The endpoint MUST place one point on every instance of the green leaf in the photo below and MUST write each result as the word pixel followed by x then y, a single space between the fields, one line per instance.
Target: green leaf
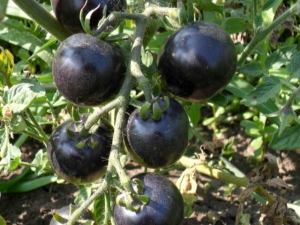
pixel 236 24
pixel 13 33
pixel 240 88
pixel 252 129
pixel 280 57
pixel 84 193
pixel 270 87
pixel 251 69
pixel 6 65
pixel 268 11
pixel 20 96
pixel 3 6
pixel 288 140
pixel 2 221
pixel 147 58
pixel 207 5
pixel 99 209
pixel 294 66
pixel 194 114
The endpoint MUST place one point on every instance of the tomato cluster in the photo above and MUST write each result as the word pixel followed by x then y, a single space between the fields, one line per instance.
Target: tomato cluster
pixel 195 63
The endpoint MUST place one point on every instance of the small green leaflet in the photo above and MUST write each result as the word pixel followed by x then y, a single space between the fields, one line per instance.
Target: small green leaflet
pixel 251 69
pixel 270 87
pixel 280 57
pixel 288 140
pixel 20 96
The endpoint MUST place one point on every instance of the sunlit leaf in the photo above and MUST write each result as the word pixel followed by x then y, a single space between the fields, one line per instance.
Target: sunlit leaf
pixel 288 140
pixel 270 87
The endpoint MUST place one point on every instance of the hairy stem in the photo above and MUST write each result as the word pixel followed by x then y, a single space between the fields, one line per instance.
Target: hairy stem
pixel 42 17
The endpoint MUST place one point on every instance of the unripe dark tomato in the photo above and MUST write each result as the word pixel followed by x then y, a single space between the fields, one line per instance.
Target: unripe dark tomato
pixel 67 12
pixel 75 164
pixel 165 206
pixel 158 143
pixel 197 61
pixel 88 71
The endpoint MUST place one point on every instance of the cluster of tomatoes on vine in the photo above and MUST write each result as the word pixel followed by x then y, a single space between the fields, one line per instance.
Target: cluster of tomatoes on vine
pixel 195 63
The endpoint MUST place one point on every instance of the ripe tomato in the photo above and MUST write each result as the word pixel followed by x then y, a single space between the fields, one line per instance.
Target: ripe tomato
pixel 158 143
pixel 197 61
pixel 88 71
pixel 79 165
pixel 67 12
pixel 165 206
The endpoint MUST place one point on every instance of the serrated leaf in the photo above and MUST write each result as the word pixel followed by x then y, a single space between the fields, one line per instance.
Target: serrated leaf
pixel 270 87
pixel 280 57
pixel 20 96
pixel 288 140
pixel 11 32
pixel 84 193
pixel 294 66
pixel 251 69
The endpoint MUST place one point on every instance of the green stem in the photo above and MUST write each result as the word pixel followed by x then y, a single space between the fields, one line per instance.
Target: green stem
pixel 292 97
pixel 263 32
pixel 41 16
pixel 223 176
pixel 41 133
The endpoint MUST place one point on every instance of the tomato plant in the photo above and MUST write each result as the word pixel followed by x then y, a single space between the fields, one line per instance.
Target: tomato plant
pixel 168 84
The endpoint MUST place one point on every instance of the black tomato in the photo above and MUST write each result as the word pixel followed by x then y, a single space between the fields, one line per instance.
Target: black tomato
pixel 197 61
pixel 88 71
pixel 79 165
pixel 165 206
pixel 67 12
pixel 157 143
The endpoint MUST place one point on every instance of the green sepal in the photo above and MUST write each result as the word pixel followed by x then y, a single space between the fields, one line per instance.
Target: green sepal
pixel 145 110
pixel 166 106
pixel 138 186
pixel 156 111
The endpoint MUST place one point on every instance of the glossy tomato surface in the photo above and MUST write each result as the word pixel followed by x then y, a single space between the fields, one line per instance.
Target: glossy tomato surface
pixel 165 206
pixel 67 12
pixel 88 71
pixel 158 143
pixel 79 165
pixel 197 61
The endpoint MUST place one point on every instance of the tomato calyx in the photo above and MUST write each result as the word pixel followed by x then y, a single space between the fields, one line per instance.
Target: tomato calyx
pixel 155 108
pixel 133 201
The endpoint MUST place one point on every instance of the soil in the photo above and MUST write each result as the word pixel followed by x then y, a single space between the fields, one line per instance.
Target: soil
pixel 213 207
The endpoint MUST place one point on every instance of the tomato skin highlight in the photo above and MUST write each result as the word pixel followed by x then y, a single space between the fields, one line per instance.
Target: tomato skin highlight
pixel 197 61
pixel 161 143
pixel 79 166
pixel 67 12
pixel 88 71
pixel 165 206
